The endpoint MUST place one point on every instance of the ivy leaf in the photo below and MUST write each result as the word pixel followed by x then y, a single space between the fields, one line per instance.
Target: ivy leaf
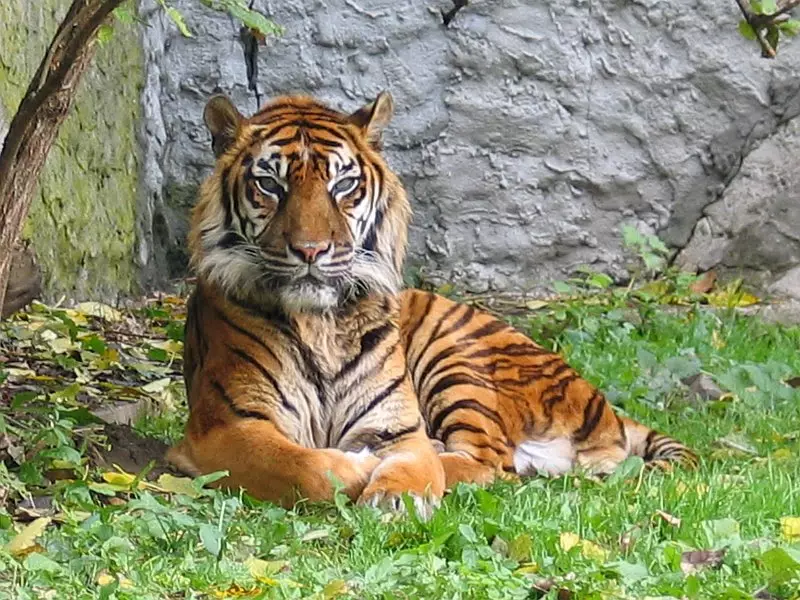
pixel 790 27
pixel 211 538
pixel 177 18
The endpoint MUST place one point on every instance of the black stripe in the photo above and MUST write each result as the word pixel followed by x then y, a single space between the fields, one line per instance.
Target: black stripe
pixel 369 342
pixel 382 395
pixel 269 377
pixel 523 349
pixel 386 437
pixel 423 315
pixel 649 451
pixel 458 379
pixel 434 336
pixel 372 235
pixel 467 404
pixel 248 334
pixel 239 412
pixel 455 427
pixel 592 413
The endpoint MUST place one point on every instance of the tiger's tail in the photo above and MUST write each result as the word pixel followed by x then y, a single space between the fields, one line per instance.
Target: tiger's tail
pixel 655 448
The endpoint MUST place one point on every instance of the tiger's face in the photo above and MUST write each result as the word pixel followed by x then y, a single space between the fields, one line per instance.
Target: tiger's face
pixel 301 211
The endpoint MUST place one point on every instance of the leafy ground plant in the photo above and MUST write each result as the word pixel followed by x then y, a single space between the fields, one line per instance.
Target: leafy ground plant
pixel 78 521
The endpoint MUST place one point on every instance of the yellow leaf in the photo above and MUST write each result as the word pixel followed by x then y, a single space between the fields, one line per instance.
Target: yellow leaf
pixel 26 538
pixel 717 341
pixel 527 569
pixel 334 589
pixel 535 304
pixel 104 579
pixel 174 346
pixel 592 551
pixel 782 454
pixel 61 345
pixel 120 479
pixel 568 540
pixel 237 591
pixel 790 528
pixel 100 310
pixel 157 386
pixel 262 570
pixel 177 485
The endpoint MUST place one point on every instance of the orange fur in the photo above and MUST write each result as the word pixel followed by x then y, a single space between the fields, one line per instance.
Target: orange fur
pixel 498 403
pixel 293 365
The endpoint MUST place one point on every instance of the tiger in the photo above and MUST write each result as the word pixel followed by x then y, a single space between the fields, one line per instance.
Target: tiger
pixel 497 404
pixel 294 370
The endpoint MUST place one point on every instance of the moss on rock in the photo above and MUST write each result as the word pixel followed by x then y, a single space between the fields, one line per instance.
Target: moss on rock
pixel 82 221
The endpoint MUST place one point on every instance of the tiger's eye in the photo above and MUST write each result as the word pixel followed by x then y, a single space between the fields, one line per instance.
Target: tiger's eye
pixel 344 186
pixel 268 185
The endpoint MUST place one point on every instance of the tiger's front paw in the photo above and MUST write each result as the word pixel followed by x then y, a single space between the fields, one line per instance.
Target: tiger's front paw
pixel 401 474
pixel 424 505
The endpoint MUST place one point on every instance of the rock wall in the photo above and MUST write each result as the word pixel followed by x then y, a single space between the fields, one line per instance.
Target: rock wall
pixel 82 221
pixel 527 133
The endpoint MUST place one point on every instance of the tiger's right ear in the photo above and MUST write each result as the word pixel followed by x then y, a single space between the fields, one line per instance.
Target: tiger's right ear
pixel 222 120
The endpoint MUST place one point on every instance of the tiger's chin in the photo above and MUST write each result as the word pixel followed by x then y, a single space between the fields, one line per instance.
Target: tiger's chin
pixel 309 296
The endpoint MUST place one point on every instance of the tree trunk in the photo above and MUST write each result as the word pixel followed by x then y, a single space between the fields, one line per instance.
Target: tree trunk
pixel 39 116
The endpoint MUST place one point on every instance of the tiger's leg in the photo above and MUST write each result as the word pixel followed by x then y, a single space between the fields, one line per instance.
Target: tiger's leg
pixel 269 466
pixel 474 441
pixel 600 440
pixel 658 450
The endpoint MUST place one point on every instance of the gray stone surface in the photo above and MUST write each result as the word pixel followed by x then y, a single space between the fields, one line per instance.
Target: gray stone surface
pixel 527 134
pixel 754 229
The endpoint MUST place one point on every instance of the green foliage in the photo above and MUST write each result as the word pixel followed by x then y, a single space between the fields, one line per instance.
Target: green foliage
pixel 239 10
pixel 771 28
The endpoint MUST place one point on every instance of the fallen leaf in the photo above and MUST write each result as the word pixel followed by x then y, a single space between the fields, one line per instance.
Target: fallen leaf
pixel 668 518
pixel 99 310
pixel 593 552
pixel 527 569
pixel 26 538
pixel 628 539
pixel 704 283
pixel 790 528
pixel 177 485
pixel 519 549
pixel 793 382
pixel 536 304
pixel 694 561
pixel 738 443
pixel 568 540
pixel 237 591
pixel 261 569
pixel 542 587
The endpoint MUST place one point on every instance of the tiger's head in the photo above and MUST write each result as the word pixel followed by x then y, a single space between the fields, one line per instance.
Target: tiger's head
pixel 301 211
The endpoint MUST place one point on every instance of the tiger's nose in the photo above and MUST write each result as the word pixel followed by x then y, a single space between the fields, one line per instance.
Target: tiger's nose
pixel 309 251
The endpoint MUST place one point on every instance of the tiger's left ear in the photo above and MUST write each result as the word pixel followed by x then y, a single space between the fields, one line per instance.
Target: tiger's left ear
pixel 374 117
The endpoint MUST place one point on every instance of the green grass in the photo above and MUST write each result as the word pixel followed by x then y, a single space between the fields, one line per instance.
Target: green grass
pixel 496 542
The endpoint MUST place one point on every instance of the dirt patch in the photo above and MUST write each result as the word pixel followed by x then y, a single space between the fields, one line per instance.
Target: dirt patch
pixel 132 452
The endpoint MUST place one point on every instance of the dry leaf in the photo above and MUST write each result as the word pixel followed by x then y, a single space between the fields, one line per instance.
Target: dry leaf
pixel 704 283
pixel 26 538
pixel 99 310
pixel 535 304
pixel 543 587
pixel 593 552
pixel 568 540
pixel 790 528
pixel 691 562
pixel 668 518
pixel 628 539
pixel 263 570
pixel 177 485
